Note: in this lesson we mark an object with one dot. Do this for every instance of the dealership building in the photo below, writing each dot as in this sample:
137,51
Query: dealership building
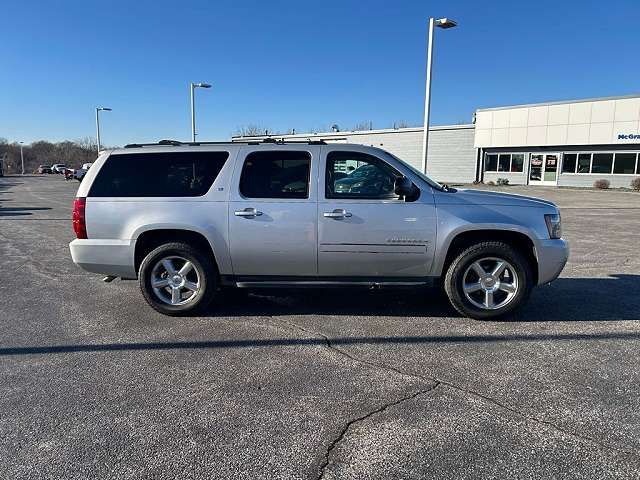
568,143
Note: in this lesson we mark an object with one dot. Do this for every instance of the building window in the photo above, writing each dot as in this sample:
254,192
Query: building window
569,163
584,163
490,163
517,162
602,163
625,163
504,162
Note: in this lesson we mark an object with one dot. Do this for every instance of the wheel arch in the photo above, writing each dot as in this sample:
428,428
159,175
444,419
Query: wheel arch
150,239
461,240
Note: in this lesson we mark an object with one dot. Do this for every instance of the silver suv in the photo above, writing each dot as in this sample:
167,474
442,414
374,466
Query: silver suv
189,219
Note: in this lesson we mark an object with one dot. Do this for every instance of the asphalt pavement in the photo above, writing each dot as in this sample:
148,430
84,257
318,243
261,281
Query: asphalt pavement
329,384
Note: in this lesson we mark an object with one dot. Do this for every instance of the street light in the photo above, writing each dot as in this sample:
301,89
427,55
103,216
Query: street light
22,157
99,109
443,23
193,107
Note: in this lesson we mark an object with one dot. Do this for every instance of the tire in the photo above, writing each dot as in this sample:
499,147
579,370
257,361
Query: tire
196,286
510,289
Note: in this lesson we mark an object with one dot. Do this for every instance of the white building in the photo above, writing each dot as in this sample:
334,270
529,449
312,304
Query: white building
570,143
561,143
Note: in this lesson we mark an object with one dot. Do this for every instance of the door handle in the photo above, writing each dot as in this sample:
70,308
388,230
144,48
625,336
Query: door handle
247,212
337,213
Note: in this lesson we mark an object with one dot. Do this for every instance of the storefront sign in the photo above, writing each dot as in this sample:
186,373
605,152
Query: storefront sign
629,136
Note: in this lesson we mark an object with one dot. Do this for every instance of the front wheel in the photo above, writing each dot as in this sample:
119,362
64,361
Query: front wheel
488,280
177,279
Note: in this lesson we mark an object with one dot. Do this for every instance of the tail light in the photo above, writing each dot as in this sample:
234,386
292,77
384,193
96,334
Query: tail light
79,223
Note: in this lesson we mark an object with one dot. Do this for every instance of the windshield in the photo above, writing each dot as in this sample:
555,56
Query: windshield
417,172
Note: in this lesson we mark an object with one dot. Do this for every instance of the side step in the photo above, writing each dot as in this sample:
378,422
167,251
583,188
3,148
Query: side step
324,283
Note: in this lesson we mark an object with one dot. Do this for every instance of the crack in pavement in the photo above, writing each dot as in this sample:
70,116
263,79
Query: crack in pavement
362,418
437,383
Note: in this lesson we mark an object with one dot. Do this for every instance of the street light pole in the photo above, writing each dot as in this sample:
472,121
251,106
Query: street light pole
441,23
98,110
193,87
22,157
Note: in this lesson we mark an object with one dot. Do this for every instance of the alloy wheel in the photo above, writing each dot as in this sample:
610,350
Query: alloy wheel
490,283
175,280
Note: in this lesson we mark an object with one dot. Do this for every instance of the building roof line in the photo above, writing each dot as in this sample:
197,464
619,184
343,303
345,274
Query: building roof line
356,132
560,102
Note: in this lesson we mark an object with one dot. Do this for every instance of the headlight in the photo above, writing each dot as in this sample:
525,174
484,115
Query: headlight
554,224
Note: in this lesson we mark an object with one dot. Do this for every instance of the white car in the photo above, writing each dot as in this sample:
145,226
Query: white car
58,168
80,173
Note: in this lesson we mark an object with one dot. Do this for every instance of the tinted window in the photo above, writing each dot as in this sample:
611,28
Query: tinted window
276,174
569,162
602,163
369,178
584,162
625,163
491,163
166,174
504,161
517,162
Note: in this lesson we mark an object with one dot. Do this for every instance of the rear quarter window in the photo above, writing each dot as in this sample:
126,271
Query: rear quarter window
165,174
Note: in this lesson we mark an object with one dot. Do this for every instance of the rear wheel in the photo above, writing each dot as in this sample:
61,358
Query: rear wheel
488,280
177,279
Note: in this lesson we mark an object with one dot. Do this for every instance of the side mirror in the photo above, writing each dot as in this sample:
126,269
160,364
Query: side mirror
403,187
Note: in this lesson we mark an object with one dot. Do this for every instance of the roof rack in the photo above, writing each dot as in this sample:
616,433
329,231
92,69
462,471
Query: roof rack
270,140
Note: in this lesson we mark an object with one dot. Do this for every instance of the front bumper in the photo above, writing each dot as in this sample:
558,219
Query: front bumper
107,257
552,256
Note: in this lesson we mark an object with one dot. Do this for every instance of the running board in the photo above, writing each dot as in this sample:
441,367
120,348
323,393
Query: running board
326,283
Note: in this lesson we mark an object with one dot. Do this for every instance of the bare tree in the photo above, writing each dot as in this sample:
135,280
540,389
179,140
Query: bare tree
401,124
87,143
360,126
42,152
251,130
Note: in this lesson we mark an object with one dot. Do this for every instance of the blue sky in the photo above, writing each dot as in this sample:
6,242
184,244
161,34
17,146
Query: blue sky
302,65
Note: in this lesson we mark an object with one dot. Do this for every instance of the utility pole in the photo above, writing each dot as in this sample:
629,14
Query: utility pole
22,157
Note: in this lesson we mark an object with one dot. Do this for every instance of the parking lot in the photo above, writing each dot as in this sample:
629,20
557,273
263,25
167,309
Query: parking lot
305,385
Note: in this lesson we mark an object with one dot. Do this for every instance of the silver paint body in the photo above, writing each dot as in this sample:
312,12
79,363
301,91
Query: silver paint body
386,239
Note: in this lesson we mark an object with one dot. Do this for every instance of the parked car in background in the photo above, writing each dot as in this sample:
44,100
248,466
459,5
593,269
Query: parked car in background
69,173
186,219
44,169
58,167
81,172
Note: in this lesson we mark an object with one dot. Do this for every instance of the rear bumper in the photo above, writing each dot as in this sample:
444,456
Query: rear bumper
552,257
108,257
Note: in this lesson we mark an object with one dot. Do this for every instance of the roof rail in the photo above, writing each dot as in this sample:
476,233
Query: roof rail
270,140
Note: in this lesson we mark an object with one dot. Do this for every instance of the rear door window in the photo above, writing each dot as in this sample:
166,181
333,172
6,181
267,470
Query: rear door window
164,174
276,174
